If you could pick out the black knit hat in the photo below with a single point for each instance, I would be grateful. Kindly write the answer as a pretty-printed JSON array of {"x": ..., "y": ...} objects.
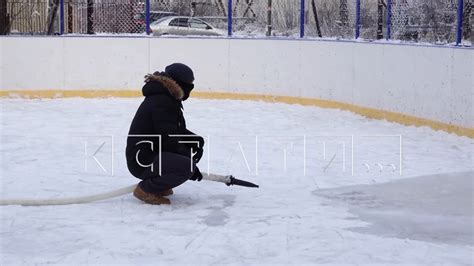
[{"x": 180, "y": 73}]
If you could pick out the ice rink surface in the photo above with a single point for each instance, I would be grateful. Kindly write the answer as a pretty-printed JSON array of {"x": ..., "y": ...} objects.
[{"x": 335, "y": 187}]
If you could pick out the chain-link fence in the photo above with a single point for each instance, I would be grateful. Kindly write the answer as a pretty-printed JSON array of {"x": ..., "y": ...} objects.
[
  {"x": 373, "y": 18},
  {"x": 330, "y": 18},
  {"x": 427, "y": 21},
  {"x": 28, "y": 17},
  {"x": 433, "y": 21}
]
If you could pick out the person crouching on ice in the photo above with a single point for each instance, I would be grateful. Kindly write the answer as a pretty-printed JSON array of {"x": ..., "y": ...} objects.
[{"x": 159, "y": 127}]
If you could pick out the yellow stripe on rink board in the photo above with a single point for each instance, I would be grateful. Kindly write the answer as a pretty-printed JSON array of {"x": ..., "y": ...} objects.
[{"x": 365, "y": 111}]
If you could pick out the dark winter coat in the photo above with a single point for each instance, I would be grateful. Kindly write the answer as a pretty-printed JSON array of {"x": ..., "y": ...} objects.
[{"x": 160, "y": 114}]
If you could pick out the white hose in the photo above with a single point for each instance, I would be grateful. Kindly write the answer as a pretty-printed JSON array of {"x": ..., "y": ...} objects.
[
  {"x": 91, "y": 198},
  {"x": 217, "y": 178},
  {"x": 71, "y": 200}
]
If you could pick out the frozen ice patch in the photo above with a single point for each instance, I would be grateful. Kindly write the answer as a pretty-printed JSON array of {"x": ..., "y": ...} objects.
[
  {"x": 437, "y": 208},
  {"x": 217, "y": 215}
]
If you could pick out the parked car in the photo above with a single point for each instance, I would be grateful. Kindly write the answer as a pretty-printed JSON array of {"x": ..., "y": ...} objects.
[
  {"x": 179, "y": 25},
  {"x": 140, "y": 19}
]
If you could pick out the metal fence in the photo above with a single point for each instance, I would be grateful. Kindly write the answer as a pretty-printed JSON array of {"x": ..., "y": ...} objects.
[{"x": 430, "y": 21}]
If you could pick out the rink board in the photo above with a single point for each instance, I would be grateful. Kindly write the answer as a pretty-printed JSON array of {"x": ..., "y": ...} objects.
[{"x": 414, "y": 85}]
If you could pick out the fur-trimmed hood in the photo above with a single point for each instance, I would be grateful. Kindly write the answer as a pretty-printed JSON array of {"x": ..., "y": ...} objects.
[{"x": 159, "y": 84}]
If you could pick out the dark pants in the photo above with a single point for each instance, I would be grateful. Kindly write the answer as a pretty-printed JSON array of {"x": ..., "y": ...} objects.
[{"x": 175, "y": 170}]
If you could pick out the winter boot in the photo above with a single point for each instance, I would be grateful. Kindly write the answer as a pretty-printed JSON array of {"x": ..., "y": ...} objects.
[
  {"x": 165, "y": 193},
  {"x": 152, "y": 198}
]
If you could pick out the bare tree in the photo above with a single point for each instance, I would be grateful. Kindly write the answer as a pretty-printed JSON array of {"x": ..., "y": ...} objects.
[
  {"x": 53, "y": 10},
  {"x": 269, "y": 17},
  {"x": 4, "y": 18},
  {"x": 70, "y": 17},
  {"x": 467, "y": 23},
  {"x": 343, "y": 13},
  {"x": 90, "y": 18},
  {"x": 316, "y": 19},
  {"x": 380, "y": 9}
]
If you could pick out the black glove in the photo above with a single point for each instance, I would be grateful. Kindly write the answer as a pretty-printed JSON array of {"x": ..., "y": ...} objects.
[
  {"x": 198, "y": 154},
  {"x": 197, "y": 176},
  {"x": 196, "y": 148}
]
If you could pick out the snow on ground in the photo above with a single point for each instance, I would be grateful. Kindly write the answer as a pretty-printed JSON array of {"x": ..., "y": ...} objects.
[{"x": 296, "y": 154}]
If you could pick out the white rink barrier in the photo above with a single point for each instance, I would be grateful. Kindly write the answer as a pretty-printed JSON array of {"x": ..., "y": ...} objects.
[{"x": 426, "y": 82}]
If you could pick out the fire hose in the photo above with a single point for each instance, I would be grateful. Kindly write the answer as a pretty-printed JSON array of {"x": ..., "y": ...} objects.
[{"x": 226, "y": 179}]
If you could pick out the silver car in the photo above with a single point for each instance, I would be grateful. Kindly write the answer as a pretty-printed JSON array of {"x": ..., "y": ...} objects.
[{"x": 183, "y": 26}]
